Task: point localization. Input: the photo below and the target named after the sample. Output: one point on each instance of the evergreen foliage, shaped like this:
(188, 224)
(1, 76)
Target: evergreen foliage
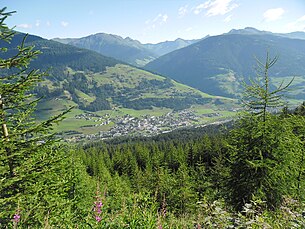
(183, 179)
(37, 179)
(263, 147)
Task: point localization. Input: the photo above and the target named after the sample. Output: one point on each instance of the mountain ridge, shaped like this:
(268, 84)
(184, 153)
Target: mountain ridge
(228, 59)
(125, 49)
(139, 54)
(254, 31)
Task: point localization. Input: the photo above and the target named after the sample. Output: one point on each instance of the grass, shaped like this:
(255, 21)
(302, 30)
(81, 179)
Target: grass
(49, 108)
(124, 76)
(227, 82)
(199, 110)
(94, 129)
(86, 98)
(153, 112)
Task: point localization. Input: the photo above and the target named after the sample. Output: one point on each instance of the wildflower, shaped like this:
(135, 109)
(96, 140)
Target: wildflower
(98, 204)
(98, 218)
(16, 218)
(98, 209)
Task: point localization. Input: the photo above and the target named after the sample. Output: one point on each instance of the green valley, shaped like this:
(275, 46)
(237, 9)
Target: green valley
(123, 100)
(98, 86)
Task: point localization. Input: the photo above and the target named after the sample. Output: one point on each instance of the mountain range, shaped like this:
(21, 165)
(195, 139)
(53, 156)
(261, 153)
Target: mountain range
(253, 31)
(219, 64)
(126, 49)
(138, 54)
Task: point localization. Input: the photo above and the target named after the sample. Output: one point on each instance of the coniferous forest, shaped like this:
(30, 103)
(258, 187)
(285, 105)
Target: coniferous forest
(248, 173)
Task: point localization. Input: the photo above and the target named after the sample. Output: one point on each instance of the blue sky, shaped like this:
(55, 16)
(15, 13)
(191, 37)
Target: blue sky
(152, 21)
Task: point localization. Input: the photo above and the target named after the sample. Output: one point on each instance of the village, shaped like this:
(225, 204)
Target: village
(144, 126)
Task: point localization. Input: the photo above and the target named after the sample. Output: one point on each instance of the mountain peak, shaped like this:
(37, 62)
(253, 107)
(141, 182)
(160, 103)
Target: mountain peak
(248, 30)
(251, 29)
(179, 39)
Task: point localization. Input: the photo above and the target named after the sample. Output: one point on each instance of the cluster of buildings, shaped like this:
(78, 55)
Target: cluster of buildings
(145, 125)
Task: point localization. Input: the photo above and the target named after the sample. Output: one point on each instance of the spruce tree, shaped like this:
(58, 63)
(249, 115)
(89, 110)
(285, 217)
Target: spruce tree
(34, 182)
(262, 145)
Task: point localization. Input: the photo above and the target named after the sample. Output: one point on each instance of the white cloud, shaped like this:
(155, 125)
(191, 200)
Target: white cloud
(183, 10)
(228, 19)
(48, 23)
(216, 7)
(37, 24)
(189, 29)
(160, 19)
(199, 8)
(25, 26)
(64, 23)
(297, 25)
(273, 14)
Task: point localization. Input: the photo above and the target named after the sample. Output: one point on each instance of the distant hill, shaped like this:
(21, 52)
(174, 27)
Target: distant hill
(294, 35)
(248, 31)
(254, 31)
(165, 47)
(218, 64)
(125, 49)
(56, 57)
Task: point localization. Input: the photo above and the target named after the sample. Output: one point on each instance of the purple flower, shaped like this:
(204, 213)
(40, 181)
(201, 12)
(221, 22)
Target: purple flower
(98, 218)
(98, 204)
(98, 209)
(16, 218)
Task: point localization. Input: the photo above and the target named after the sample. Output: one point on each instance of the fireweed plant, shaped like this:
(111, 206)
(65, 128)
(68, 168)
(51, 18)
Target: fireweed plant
(98, 204)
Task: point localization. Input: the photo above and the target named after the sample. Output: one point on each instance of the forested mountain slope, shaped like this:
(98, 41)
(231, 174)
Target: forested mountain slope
(219, 64)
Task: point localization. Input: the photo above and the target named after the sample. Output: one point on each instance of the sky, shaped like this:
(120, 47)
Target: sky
(152, 21)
